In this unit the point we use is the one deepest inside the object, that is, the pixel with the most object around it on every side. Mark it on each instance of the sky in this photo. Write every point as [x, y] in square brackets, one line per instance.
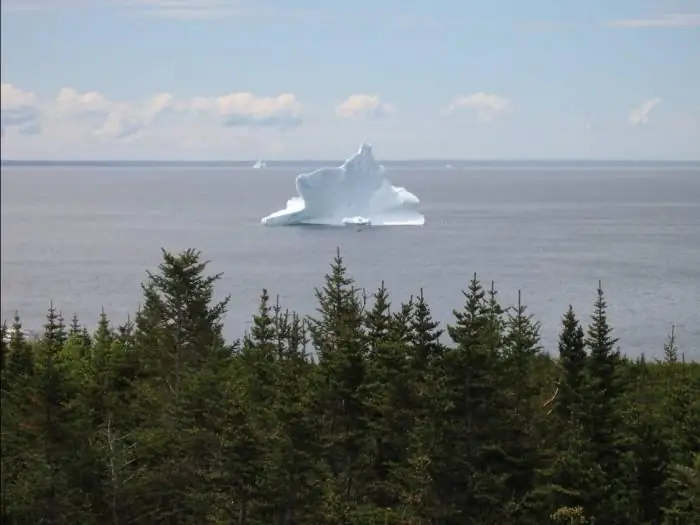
[312, 79]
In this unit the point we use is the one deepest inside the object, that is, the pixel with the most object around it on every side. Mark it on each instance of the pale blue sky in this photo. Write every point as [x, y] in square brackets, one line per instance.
[242, 79]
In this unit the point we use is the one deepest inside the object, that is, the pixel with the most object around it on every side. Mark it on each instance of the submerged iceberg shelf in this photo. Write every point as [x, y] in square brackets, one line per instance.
[357, 192]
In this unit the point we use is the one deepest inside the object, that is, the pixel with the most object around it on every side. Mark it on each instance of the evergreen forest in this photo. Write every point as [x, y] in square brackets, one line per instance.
[367, 412]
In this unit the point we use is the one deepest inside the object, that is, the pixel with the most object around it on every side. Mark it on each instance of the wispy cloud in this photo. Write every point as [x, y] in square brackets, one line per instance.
[670, 20]
[19, 6]
[246, 109]
[487, 106]
[188, 9]
[639, 115]
[174, 9]
[415, 21]
[363, 107]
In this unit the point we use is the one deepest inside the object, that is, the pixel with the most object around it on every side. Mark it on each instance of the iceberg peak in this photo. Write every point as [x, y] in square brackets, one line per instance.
[338, 196]
[366, 150]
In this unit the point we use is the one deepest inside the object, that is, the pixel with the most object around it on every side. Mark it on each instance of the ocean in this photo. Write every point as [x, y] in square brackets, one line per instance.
[83, 237]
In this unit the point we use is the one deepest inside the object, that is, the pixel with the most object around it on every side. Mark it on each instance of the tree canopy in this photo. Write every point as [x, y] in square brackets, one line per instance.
[368, 412]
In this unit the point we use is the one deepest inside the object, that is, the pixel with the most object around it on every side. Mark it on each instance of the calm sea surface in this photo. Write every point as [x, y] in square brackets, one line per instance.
[84, 237]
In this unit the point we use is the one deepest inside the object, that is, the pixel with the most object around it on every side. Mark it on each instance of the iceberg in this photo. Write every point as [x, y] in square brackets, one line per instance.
[356, 193]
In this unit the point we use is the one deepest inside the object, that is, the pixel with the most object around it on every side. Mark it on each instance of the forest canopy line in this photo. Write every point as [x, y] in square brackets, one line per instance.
[359, 414]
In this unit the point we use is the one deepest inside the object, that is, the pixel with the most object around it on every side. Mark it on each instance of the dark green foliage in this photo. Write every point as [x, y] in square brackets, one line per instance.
[572, 376]
[361, 414]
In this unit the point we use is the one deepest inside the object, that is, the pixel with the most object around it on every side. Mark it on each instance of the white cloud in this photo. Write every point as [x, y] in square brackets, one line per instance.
[247, 109]
[639, 115]
[671, 20]
[19, 109]
[363, 106]
[125, 120]
[487, 106]
[13, 97]
[106, 118]
[71, 103]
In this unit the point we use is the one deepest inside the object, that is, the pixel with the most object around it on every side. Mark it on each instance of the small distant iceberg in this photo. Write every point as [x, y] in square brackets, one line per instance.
[449, 167]
[356, 193]
[260, 164]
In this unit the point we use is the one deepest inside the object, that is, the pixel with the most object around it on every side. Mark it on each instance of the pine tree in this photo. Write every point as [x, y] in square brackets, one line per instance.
[104, 335]
[179, 320]
[339, 342]
[425, 335]
[53, 423]
[573, 473]
[521, 439]
[430, 405]
[389, 393]
[75, 328]
[378, 319]
[670, 349]
[296, 449]
[495, 329]
[178, 332]
[470, 323]
[468, 485]
[568, 403]
[685, 479]
[55, 334]
[605, 391]
[77, 347]
[20, 357]
[648, 462]
[680, 406]
[260, 352]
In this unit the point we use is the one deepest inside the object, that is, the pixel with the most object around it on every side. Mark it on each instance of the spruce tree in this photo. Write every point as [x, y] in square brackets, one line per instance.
[685, 480]
[568, 403]
[339, 341]
[605, 391]
[55, 334]
[670, 348]
[178, 332]
[389, 393]
[20, 356]
[179, 320]
[469, 484]
[104, 335]
[259, 353]
[521, 440]
[53, 418]
[377, 319]
[425, 335]
[573, 474]
[75, 328]
[77, 347]
[293, 451]
[680, 406]
[430, 404]
[495, 329]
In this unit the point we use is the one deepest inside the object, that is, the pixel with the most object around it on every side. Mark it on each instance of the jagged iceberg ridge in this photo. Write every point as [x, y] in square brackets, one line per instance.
[356, 190]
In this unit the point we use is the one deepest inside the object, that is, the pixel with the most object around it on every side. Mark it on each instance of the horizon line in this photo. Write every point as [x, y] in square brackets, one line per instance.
[18, 162]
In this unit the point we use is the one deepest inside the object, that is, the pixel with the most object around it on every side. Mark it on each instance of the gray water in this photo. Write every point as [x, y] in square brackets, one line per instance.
[84, 237]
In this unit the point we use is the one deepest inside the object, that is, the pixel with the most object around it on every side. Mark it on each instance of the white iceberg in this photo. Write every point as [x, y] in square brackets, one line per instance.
[340, 196]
